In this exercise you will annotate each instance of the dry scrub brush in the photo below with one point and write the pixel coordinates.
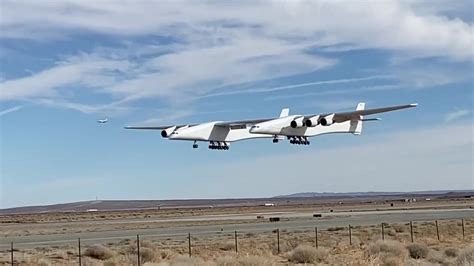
(99, 252)
(466, 256)
(308, 254)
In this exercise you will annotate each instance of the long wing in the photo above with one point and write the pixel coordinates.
(156, 127)
(356, 115)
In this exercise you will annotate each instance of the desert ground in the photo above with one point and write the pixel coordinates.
(343, 232)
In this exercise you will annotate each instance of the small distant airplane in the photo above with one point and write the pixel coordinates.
(296, 128)
(103, 121)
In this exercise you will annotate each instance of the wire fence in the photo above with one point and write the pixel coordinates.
(277, 240)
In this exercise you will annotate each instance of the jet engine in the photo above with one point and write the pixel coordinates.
(327, 120)
(167, 132)
(312, 122)
(298, 122)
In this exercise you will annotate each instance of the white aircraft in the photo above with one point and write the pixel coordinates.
(103, 121)
(296, 128)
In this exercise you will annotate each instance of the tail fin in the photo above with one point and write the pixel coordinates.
(285, 112)
(356, 125)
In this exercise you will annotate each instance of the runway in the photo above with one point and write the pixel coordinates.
(241, 223)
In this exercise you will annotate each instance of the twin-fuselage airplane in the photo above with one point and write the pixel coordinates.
(296, 128)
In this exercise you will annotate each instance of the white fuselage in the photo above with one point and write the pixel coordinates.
(270, 129)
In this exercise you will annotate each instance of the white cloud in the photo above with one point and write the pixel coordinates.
(404, 26)
(409, 160)
(83, 70)
(10, 110)
(456, 114)
(216, 45)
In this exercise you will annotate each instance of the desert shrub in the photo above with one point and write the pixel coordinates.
(307, 254)
(436, 257)
(387, 247)
(399, 228)
(147, 254)
(417, 251)
(146, 244)
(229, 245)
(165, 254)
(284, 247)
(226, 261)
(391, 233)
(184, 260)
(391, 261)
(451, 252)
(99, 252)
(466, 256)
(253, 261)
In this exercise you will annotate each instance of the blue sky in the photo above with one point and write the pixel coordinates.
(66, 64)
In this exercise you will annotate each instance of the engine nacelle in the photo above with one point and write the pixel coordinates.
(298, 122)
(327, 120)
(167, 132)
(312, 122)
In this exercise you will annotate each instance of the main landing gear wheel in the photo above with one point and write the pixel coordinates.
(218, 145)
(299, 140)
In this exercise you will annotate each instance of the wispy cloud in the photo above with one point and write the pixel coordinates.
(456, 114)
(10, 110)
(299, 85)
(211, 46)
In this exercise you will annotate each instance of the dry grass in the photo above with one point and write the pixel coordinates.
(466, 256)
(99, 252)
(261, 249)
(418, 251)
(387, 253)
(451, 252)
(308, 254)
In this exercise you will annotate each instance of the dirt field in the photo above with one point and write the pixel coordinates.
(53, 237)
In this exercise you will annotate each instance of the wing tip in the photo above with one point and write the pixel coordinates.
(413, 104)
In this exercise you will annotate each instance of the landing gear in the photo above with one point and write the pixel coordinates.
(218, 145)
(275, 139)
(195, 145)
(299, 140)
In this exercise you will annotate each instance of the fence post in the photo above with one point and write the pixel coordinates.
(236, 244)
(462, 224)
(383, 231)
(278, 240)
(350, 235)
(437, 230)
(80, 253)
(138, 250)
(411, 231)
(189, 244)
(11, 252)
(316, 236)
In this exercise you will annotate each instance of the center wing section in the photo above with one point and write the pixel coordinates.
(241, 123)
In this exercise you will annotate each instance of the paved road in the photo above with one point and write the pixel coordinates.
(290, 221)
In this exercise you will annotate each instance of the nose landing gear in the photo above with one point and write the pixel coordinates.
(195, 145)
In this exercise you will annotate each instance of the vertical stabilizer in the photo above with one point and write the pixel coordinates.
(285, 112)
(356, 126)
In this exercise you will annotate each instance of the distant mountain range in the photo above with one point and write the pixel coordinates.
(297, 198)
(374, 193)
